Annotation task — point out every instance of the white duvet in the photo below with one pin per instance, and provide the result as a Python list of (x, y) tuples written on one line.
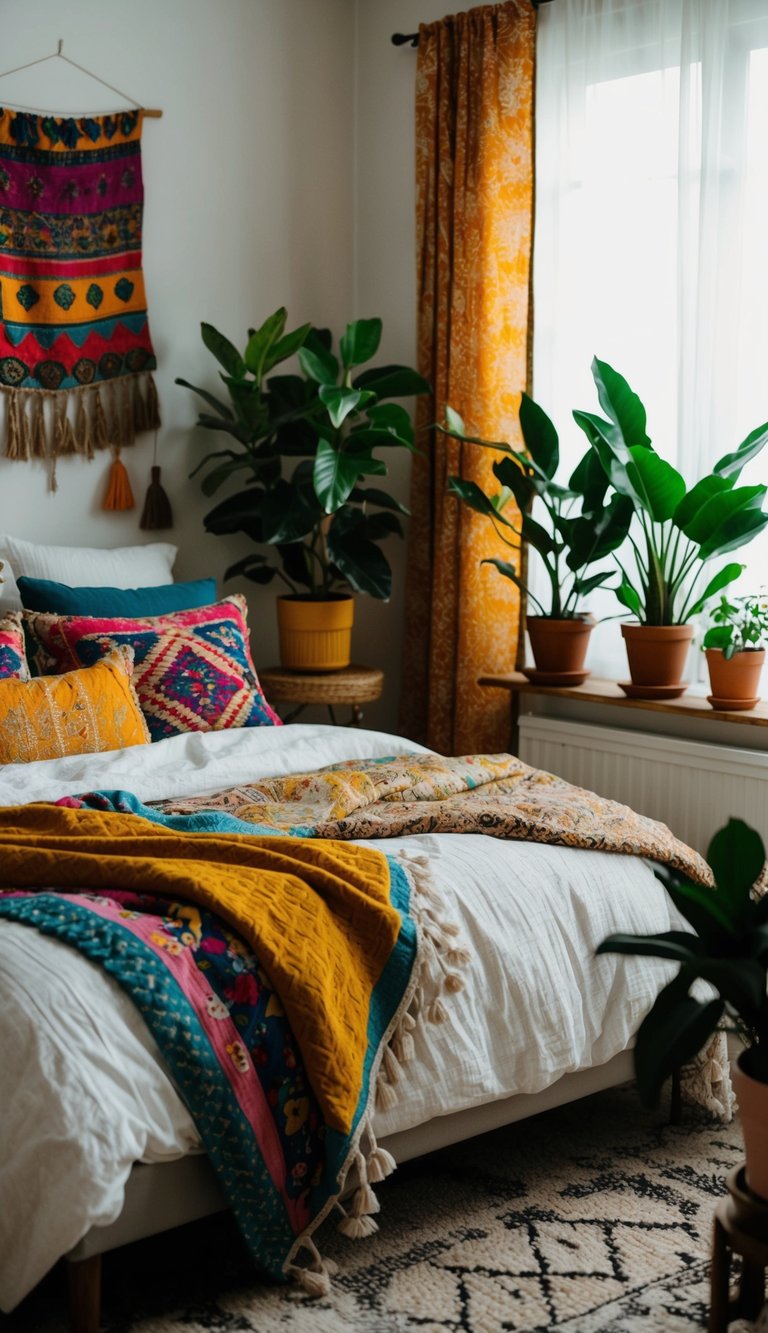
[(83, 1090)]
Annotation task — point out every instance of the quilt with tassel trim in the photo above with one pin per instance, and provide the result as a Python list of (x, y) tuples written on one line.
[(76, 357), (280, 977)]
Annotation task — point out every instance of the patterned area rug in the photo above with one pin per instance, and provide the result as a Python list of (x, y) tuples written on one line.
[(594, 1218)]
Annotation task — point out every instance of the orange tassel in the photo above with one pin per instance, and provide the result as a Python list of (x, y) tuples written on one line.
[(119, 494)]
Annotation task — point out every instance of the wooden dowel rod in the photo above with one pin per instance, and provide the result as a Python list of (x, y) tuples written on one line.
[(153, 112)]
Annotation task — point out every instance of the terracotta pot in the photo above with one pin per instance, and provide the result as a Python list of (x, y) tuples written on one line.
[(315, 634), (737, 678), (753, 1114), (559, 645), (656, 653)]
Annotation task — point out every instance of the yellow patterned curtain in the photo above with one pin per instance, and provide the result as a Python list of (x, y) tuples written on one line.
[(474, 180)]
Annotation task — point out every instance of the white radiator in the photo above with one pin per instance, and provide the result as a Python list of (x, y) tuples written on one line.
[(692, 788)]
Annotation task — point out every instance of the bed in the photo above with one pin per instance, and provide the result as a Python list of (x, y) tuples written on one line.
[(96, 1125)]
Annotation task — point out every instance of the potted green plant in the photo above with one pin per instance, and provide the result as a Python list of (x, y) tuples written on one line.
[(578, 528), (679, 529), (301, 445), (734, 650), (727, 947)]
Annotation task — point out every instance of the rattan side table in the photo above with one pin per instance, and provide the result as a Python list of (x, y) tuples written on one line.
[(353, 685)]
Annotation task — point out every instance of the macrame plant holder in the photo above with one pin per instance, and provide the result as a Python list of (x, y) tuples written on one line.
[(76, 357)]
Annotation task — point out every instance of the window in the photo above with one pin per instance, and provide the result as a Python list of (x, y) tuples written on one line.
[(650, 247)]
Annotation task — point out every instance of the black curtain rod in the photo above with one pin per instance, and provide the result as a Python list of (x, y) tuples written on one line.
[(403, 38)]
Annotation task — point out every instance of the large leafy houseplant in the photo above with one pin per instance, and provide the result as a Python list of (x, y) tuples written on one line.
[(726, 947), (302, 446), (681, 528)]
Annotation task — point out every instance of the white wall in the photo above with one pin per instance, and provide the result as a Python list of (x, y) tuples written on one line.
[(280, 174), (248, 183), (385, 252)]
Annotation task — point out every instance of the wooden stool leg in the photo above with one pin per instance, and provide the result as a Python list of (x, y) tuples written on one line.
[(84, 1294), (719, 1282), (751, 1290)]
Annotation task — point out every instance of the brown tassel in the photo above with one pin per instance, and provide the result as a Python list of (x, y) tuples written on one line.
[(24, 426), (119, 494), (83, 435), (38, 441), (157, 512), (12, 431), (59, 425), (100, 440), (113, 416), (126, 413), (139, 407), (153, 406)]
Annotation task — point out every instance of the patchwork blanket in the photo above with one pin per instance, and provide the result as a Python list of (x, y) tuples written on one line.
[(271, 971), (493, 794)]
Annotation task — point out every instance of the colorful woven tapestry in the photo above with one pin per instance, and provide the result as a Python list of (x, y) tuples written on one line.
[(73, 312)]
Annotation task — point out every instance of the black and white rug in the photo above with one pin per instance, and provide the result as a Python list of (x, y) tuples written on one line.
[(594, 1218)]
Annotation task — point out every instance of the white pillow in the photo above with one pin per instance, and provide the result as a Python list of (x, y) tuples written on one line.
[(83, 566)]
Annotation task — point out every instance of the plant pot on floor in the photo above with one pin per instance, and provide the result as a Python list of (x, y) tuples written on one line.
[(315, 634), (735, 681), (657, 656), (752, 1098), (559, 648)]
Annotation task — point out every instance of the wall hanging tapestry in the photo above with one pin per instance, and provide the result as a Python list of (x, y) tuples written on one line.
[(75, 351)]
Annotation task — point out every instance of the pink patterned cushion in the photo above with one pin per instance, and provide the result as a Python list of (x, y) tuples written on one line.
[(13, 659), (193, 670)]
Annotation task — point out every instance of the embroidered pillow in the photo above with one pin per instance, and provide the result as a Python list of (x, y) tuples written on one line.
[(13, 659), (81, 712), (47, 595), (193, 669)]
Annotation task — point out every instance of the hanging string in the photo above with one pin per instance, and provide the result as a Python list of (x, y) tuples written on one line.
[(59, 55)]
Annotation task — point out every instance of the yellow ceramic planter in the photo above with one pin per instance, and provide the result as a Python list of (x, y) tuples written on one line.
[(315, 635)]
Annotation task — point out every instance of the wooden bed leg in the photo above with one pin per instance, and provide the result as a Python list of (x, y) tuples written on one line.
[(84, 1278), (675, 1099)]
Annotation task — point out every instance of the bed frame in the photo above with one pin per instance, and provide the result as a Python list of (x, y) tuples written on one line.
[(169, 1194)]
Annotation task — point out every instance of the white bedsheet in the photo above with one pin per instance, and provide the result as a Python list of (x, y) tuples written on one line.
[(77, 1062)]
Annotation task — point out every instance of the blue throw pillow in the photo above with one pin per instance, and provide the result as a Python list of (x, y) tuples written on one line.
[(45, 595)]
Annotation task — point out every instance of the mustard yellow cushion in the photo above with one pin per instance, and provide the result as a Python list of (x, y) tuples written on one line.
[(81, 712)]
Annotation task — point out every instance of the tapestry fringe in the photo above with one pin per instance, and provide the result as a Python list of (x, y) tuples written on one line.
[(109, 414), (433, 973)]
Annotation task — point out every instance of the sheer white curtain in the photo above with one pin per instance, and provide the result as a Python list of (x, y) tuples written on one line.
[(651, 244)]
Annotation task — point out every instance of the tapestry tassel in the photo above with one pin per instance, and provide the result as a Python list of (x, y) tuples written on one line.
[(12, 427), (25, 429), (113, 416), (119, 494), (83, 429), (157, 512), (38, 441), (153, 405), (139, 407), (100, 439)]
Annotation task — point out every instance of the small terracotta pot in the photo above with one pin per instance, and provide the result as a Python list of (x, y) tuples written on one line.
[(736, 678), (656, 653), (753, 1114), (559, 645), (315, 634)]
